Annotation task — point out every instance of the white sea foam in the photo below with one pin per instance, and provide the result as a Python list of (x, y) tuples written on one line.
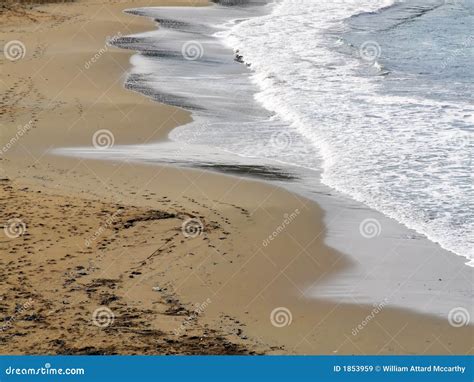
[(409, 156)]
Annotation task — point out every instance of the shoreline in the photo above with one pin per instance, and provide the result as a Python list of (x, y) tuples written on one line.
[(391, 249), (237, 222)]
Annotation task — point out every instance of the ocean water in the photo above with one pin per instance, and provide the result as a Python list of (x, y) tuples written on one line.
[(377, 95), (384, 91), (373, 98)]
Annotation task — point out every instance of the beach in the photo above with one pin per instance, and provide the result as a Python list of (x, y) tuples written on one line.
[(126, 257)]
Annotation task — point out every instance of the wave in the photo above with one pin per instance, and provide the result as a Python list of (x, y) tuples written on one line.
[(394, 15), (343, 91), (379, 142)]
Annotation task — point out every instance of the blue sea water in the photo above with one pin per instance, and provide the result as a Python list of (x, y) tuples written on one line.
[(384, 90)]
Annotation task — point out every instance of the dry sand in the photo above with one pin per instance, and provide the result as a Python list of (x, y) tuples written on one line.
[(109, 235)]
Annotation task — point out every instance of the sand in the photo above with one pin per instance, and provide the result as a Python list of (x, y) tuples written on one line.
[(103, 265)]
